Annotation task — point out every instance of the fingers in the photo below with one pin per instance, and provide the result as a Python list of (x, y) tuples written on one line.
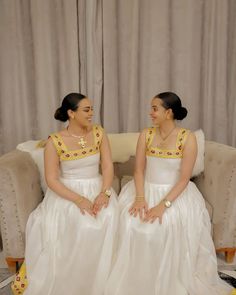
[(151, 217), (145, 209), (96, 207), (132, 210), (90, 211), (141, 214), (82, 211)]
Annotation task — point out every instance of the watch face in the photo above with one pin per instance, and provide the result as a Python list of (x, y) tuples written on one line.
[(108, 192), (167, 204)]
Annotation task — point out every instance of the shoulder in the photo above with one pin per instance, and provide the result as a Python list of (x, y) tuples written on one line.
[(188, 138), (184, 132), (146, 135), (55, 140), (54, 137), (98, 128), (148, 131)]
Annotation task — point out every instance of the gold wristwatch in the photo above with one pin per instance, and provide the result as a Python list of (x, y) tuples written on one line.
[(167, 203), (107, 192)]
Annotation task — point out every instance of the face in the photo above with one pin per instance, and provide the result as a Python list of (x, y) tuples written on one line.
[(83, 115), (158, 113)]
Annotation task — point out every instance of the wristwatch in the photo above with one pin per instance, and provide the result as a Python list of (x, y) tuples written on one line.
[(107, 192), (167, 203)]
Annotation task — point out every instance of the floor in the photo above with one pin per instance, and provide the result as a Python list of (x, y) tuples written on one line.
[(6, 277)]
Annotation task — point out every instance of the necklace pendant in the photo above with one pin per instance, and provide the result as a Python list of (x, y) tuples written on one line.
[(82, 142)]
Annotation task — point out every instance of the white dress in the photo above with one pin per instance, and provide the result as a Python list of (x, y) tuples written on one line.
[(176, 257), (67, 252)]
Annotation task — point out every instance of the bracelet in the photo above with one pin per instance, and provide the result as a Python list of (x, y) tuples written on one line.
[(139, 198), (79, 200)]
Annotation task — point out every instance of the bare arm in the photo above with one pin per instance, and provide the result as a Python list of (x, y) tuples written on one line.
[(106, 163), (140, 163), (107, 174), (139, 206), (52, 174), (187, 164)]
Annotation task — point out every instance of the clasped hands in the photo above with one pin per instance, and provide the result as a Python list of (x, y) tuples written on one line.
[(92, 208), (140, 208)]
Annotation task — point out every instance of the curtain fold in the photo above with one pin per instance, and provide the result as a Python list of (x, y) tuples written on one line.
[(120, 54)]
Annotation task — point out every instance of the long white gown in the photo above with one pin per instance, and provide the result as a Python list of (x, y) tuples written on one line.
[(176, 257), (67, 252)]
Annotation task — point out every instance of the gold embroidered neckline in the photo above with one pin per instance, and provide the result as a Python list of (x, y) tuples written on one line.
[(178, 138), (79, 149), (65, 154), (165, 153)]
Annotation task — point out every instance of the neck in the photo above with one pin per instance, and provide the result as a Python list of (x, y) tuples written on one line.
[(167, 126), (76, 129)]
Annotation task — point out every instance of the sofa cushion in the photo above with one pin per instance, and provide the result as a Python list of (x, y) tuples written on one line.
[(37, 155), (199, 164), (123, 146), (20, 194)]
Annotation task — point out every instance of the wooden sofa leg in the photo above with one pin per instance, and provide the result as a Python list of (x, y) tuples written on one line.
[(14, 263), (229, 254)]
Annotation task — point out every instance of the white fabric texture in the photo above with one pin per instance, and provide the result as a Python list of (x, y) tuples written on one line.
[(67, 252), (175, 257)]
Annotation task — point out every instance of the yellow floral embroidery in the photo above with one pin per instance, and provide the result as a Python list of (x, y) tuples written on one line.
[(163, 153), (67, 155)]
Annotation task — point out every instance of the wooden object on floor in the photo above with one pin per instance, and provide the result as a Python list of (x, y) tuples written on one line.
[(14, 263), (229, 253)]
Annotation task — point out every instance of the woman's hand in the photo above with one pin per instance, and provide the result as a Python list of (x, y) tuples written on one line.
[(155, 212), (140, 207), (85, 205), (102, 200)]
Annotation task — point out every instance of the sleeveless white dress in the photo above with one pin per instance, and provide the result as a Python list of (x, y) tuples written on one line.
[(67, 252), (176, 257)]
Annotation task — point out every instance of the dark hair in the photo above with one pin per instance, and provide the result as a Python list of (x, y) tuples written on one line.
[(70, 102), (171, 101)]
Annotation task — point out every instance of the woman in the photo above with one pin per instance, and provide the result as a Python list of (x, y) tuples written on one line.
[(165, 245), (70, 236)]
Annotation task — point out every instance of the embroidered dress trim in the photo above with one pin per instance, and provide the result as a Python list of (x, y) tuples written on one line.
[(66, 155), (165, 153)]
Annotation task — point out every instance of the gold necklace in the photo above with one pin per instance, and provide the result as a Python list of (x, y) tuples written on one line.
[(82, 142), (165, 137)]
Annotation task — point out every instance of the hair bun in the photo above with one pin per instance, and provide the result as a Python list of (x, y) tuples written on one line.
[(181, 113), (61, 115)]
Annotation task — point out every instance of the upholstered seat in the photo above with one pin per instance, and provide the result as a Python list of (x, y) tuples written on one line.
[(21, 191)]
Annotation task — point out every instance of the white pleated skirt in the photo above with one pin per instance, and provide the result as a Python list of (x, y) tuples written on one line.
[(67, 252), (176, 257)]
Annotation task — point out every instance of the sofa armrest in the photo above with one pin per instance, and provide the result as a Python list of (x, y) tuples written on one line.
[(19, 195), (218, 185)]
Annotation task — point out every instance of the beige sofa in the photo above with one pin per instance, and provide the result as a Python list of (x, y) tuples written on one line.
[(20, 192)]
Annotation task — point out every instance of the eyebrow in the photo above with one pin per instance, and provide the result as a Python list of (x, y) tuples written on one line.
[(88, 107)]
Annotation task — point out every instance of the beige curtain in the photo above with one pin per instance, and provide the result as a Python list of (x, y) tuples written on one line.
[(120, 53), (188, 47)]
